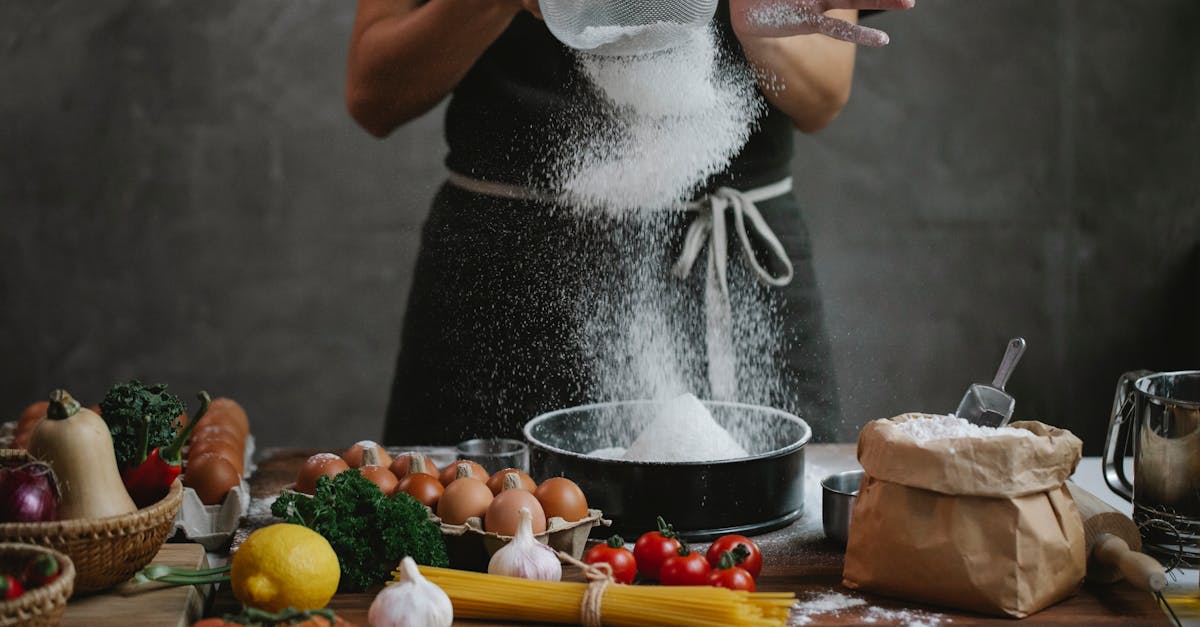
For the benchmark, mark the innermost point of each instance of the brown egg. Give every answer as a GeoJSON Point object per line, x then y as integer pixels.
{"type": "Point", "coordinates": [228, 412]}
{"type": "Point", "coordinates": [232, 453]}
{"type": "Point", "coordinates": [562, 498]}
{"type": "Point", "coordinates": [212, 477]}
{"type": "Point", "coordinates": [353, 455]}
{"type": "Point", "coordinates": [504, 513]}
{"type": "Point", "coordinates": [450, 473]}
{"type": "Point", "coordinates": [213, 431]}
{"type": "Point", "coordinates": [464, 498]}
{"type": "Point", "coordinates": [381, 477]}
{"type": "Point", "coordinates": [524, 481]}
{"type": "Point", "coordinates": [319, 465]}
{"type": "Point", "coordinates": [400, 465]}
{"type": "Point", "coordinates": [425, 488]}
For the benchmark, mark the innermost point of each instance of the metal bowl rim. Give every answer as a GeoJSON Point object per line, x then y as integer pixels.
{"type": "Point", "coordinates": [805, 437]}
{"type": "Point", "coordinates": [825, 482]}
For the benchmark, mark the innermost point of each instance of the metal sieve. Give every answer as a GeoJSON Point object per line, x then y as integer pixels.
{"type": "Point", "coordinates": [625, 27]}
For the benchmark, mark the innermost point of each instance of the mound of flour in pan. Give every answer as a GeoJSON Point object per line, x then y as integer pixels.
{"type": "Point", "coordinates": [683, 431]}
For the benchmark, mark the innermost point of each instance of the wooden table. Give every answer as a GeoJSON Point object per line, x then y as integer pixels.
{"type": "Point", "coordinates": [797, 559]}
{"type": "Point", "coordinates": [146, 605]}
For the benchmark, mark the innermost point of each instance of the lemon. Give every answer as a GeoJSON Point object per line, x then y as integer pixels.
{"type": "Point", "coordinates": [283, 566]}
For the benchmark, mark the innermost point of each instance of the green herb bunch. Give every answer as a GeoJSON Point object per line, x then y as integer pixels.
{"type": "Point", "coordinates": [126, 408]}
{"type": "Point", "coordinates": [369, 531]}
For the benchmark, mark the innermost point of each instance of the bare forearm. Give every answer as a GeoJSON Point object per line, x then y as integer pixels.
{"type": "Point", "coordinates": [808, 77]}
{"type": "Point", "coordinates": [403, 59]}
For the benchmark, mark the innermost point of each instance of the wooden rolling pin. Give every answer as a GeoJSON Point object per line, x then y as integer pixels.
{"type": "Point", "coordinates": [1114, 546]}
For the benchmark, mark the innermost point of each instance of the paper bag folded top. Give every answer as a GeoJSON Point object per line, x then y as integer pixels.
{"type": "Point", "coordinates": [983, 524]}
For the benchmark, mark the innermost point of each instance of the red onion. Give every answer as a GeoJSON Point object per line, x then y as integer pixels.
{"type": "Point", "coordinates": [28, 493]}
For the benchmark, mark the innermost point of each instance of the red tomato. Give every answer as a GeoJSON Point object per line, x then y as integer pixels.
{"type": "Point", "coordinates": [614, 553]}
{"type": "Point", "coordinates": [726, 574]}
{"type": "Point", "coordinates": [685, 568]}
{"type": "Point", "coordinates": [749, 557]}
{"type": "Point", "coordinates": [653, 548]}
{"type": "Point", "coordinates": [10, 588]}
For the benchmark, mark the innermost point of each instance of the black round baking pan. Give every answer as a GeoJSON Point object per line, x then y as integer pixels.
{"type": "Point", "coordinates": [703, 500]}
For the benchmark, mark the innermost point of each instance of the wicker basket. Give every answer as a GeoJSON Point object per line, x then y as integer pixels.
{"type": "Point", "coordinates": [106, 551]}
{"type": "Point", "coordinates": [42, 606]}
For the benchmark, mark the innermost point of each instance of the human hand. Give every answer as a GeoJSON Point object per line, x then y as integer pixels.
{"type": "Point", "coordinates": [532, 7]}
{"type": "Point", "coordinates": [784, 18]}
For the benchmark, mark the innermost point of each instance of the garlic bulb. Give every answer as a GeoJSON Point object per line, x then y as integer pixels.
{"type": "Point", "coordinates": [412, 601]}
{"type": "Point", "coordinates": [524, 556]}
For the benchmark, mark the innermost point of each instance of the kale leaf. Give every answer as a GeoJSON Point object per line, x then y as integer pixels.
{"type": "Point", "coordinates": [125, 409]}
{"type": "Point", "coordinates": [369, 531]}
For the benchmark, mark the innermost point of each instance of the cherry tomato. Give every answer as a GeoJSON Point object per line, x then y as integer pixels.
{"type": "Point", "coordinates": [727, 574]}
{"type": "Point", "coordinates": [749, 557]}
{"type": "Point", "coordinates": [10, 588]}
{"type": "Point", "coordinates": [653, 548]}
{"type": "Point", "coordinates": [614, 553]}
{"type": "Point", "coordinates": [685, 568]}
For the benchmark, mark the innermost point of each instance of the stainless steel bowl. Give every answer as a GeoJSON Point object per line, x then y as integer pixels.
{"type": "Point", "coordinates": [702, 500]}
{"type": "Point", "coordinates": [838, 494]}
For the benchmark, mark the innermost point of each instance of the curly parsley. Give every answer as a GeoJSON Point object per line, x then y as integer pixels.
{"type": "Point", "coordinates": [369, 531]}
{"type": "Point", "coordinates": [125, 409]}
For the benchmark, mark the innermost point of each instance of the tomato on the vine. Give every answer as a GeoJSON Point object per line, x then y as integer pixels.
{"type": "Point", "coordinates": [653, 548]}
{"type": "Point", "coordinates": [685, 568]}
{"type": "Point", "coordinates": [727, 574]}
{"type": "Point", "coordinates": [745, 553]}
{"type": "Point", "coordinates": [620, 559]}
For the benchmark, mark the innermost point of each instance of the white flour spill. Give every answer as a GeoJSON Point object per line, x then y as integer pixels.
{"type": "Point", "coordinates": [835, 603]}
{"type": "Point", "coordinates": [674, 119]}
{"type": "Point", "coordinates": [828, 603]}
{"type": "Point", "coordinates": [904, 618]}
{"type": "Point", "coordinates": [950, 427]}
{"type": "Point", "coordinates": [684, 431]}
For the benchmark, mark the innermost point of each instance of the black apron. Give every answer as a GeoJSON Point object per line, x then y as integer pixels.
{"type": "Point", "coordinates": [491, 337]}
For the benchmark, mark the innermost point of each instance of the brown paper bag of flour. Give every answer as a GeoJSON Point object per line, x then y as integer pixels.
{"type": "Point", "coordinates": [982, 524]}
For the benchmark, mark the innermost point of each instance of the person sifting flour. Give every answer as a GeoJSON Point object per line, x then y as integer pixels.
{"type": "Point", "coordinates": [522, 303]}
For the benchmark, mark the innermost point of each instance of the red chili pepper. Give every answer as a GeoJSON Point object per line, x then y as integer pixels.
{"type": "Point", "coordinates": [149, 481]}
{"type": "Point", "coordinates": [10, 588]}
{"type": "Point", "coordinates": [40, 571]}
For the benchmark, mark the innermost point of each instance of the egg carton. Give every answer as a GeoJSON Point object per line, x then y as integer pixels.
{"type": "Point", "coordinates": [470, 547]}
{"type": "Point", "coordinates": [213, 526]}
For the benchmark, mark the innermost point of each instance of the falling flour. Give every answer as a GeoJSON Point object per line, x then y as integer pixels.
{"type": "Point", "coordinates": [626, 40]}
{"type": "Point", "coordinates": [683, 431]}
{"type": "Point", "coordinates": [951, 427]}
{"type": "Point", "coordinates": [673, 119]}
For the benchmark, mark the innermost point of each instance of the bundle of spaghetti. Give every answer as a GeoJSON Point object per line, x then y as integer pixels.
{"type": "Point", "coordinates": [478, 595]}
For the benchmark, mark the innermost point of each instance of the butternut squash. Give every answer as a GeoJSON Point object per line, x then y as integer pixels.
{"type": "Point", "coordinates": [75, 442]}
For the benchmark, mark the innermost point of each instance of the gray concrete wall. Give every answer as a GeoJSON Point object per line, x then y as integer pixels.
{"type": "Point", "coordinates": [185, 199]}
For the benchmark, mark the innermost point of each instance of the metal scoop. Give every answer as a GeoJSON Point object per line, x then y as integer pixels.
{"type": "Point", "coordinates": [990, 405]}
